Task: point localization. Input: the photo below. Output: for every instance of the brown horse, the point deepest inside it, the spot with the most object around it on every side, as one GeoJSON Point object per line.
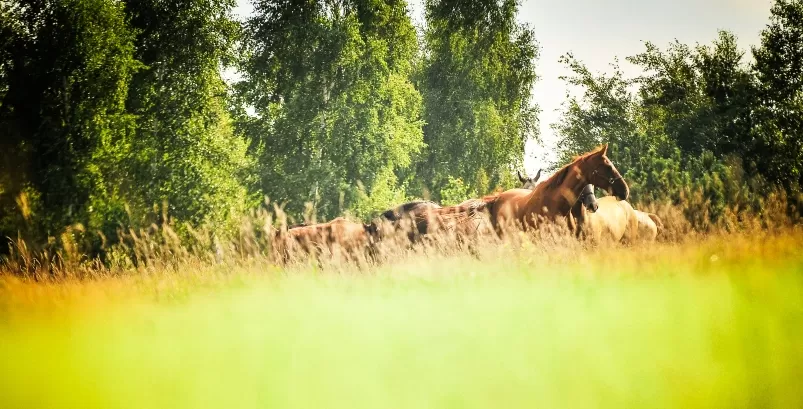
{"type": "Point", "coordinates": [350, 238]}
{"type": "Point", "coordinates": [553, 199]}
{"type": "Point", "coordinates": [529, 183]}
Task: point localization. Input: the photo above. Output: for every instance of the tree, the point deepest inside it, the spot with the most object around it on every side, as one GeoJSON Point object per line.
{"type": "Point", "coordinates": [700, 98]}
{"type": "Point", "coordinates": [477, 77]}
{"type": "Point", "coordinates": [677, 135]}
{"type": "Point", "coordinates": [186, 152]}
{"type": "Point", "coordinates": [605, 113]}
{"type": "Point", "coordinates": [66, 67]}
{"type": "Point", "coordinates": [779, 69]}
{"type": "Point", "coordinates": [337, 118]}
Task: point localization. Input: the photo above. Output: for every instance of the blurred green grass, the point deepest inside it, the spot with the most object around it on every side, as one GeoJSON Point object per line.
{"type": "Point", "coordinates": [699, 325]}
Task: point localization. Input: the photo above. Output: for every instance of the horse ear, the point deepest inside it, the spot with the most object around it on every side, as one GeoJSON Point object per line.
{"type": "Point", "coordinates": [521, 178]}
{"type": "Point", "coordinates": [537, 175]}
{"type": "Point", "coordinates": [604, 150]}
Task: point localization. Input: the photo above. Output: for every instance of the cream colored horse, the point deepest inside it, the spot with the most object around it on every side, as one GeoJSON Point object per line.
{"type": "Point", "coordinates": [615, 220]}
{"type": "Point", "coordinates": [649, 224]}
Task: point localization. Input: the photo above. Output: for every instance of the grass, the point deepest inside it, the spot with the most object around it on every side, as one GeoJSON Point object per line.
{"type": "Point", "coordinates": [714, 322]}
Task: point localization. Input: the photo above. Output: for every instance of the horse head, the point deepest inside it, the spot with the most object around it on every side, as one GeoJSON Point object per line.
{"type": "Point", "coordinates": [529, 183]}
{"type": "Point", "coordinates": [588, 199]}
{"type": "Point", "coordinates": [600, 171]}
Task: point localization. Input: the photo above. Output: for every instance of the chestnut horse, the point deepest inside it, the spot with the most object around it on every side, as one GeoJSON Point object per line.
{"type": "Point", "coordinates": [350, 238]}
{"type": "Point", "coordinates": [553, 199]}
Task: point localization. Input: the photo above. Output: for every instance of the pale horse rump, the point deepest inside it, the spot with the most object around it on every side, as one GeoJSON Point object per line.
{"type": "Point", "coordinates": [616, 221]}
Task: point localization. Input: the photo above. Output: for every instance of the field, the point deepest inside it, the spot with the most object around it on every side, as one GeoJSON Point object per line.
{"type": "Point", "coordinates": [705, 322]}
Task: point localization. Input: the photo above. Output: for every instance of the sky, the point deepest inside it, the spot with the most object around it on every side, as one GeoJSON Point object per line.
{"type": "Point", "coordinates": [597, 31]}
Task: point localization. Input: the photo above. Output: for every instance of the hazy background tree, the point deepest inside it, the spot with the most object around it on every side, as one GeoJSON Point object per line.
{"type": "Point", "coordinates": [779, 100]}
{"type": "Point", "coordinates": [702, 121]}
{"type": "Point", "coordinates": [337, 117]}
{"type": "Point", "coordinates": [110, 109]}
{"type": "Point", "coordinates": [66, 68]}
{"type": "Point", "coordinates": [186, 153]}
{"type": "Point", "coordinates": [476, 80]}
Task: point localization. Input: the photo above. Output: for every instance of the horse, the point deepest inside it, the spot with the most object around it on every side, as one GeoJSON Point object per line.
{"type": "Point", "coordinates": [351, 238]}
{"type": "Point", "coordinates": [587, 197]}
{"type": "Point", "coordinates": [614, 219]}
{"type": "Point", "coordinates": [553, 199]}
{"type": "Point", "coordinates": [410, 208]}
{"type": "Point", "coordinates": [410, 217]}
{"type": "Point", "coordinates": [420, 218]}
{"type": "Point", "coordinates": [529, 183]}
{"type": "Point", "coordinates": [649, 225]}
{"type": "Point", "coordinates": [616, 222]}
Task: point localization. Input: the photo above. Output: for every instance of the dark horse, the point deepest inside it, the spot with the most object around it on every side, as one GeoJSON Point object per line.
{"type": "Point", "coordinates": [553, 199]}
{"type": "Point", "coordinates": [421, 217]}
{"type": "Point", "coordinates": [410, 217]}
{"type": "Point", "coordinates": [529, 183]}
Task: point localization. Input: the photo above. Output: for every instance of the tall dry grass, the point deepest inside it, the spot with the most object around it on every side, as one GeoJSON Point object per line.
{"type": "Point", "coordinates": [160, 249]}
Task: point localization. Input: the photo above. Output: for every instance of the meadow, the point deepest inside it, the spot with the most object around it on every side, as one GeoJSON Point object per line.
{"type": "Point", "coordinates": [707, 321]}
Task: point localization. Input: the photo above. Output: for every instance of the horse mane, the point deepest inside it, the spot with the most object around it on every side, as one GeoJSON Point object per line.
{"type": "Point", "coordinates": [559, 177]}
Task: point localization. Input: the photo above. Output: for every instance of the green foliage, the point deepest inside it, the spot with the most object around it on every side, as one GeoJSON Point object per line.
{"type": "Point", "coordinates": [114, 114]}
{"type": "Point", "coordinates": [186, 153]}
{"type": "Point", "coordinates": [110, 110]}
{"type": "Point", "coordinates": [476, 80]}
{"type": "Point", "coordinates": [779, 71]}
{"type": "Point", "coordinates": [455, 191]}
{"type": "Point", "coordinates": [66, 68]}
{"type": "Point", "coordinates": [702, 125]}
{"type": "Point", "coordinates": [336, 111]}
{"type": "Point", "coordinates": [701, 99]}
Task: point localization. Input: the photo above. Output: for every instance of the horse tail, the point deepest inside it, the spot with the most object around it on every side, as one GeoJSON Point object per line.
{"type": "Point", "coordinates": [656, 220]}
{"type": "Point", "coordinates": [489, 201]}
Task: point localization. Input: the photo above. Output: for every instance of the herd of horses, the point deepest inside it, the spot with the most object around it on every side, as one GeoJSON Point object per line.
{"type": "Point", "coordinates": [567, 196]}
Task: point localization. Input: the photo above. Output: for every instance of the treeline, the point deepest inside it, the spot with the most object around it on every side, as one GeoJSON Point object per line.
{"type": "Point", "coordinates": [706, 126]}
{"type": "Point", "coordinates": [114, 114]}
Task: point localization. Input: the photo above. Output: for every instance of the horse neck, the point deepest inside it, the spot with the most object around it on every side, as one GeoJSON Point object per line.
{"type": "Point", "coordinates": [553, 197]}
